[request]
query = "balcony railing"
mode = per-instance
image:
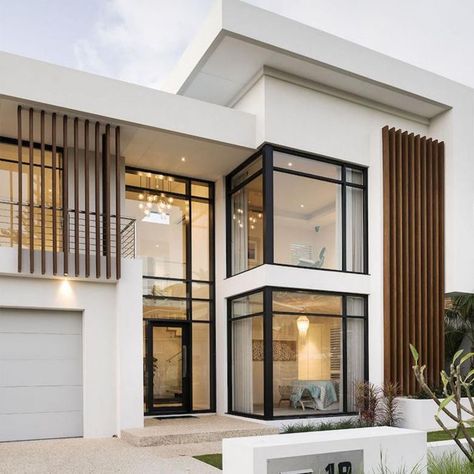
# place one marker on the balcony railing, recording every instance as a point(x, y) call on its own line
point(127, 234)
point(89, 235)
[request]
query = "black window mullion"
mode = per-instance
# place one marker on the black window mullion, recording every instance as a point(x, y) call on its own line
point(268, 252)
point(230, 407)
point(309, 175)
point(228, 226)
point(343, 227)
point(268, 354)
point(344, 355)
point(366, 223)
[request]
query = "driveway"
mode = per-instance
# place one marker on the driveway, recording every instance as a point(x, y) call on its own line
point(109, 455)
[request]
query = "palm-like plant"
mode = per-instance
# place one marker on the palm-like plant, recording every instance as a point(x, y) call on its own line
point(459, 323)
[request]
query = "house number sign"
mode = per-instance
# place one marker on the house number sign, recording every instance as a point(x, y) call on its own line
point(341, 462)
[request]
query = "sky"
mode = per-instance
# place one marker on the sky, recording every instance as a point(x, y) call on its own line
point(140, 41)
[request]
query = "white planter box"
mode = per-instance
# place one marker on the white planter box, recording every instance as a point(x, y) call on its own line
point(419, 414)
point(398, 447)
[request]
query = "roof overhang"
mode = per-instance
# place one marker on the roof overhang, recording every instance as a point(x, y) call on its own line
point(65, 89)
point(158, 128)
point(239, 40)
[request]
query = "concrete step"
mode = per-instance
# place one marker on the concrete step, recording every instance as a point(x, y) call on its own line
point(199, 429)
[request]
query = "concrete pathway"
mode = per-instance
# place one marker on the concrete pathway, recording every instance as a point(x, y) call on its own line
point(80, 456)
point(195, 429)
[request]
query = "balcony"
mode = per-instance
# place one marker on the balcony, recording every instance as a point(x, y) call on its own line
point(86, 238)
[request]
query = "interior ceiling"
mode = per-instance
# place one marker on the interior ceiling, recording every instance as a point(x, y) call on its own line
point(234, 62)
point(303, 197)
point(146, 148)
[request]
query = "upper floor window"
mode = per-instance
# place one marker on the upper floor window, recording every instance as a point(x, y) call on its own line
point(297, 209)
point(42, 184)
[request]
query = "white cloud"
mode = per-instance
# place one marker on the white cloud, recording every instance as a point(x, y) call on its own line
point(140, 40)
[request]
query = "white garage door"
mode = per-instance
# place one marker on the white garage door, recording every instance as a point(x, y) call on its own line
point(40, 374)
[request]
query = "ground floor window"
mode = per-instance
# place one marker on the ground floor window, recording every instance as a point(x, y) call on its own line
point(296, 353)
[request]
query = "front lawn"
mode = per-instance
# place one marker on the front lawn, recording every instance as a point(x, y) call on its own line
point(443, 436)
point(214, 460)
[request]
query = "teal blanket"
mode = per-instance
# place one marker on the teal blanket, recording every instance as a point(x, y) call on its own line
point(321, 391)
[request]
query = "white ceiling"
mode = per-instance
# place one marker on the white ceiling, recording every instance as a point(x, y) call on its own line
point(145, 147)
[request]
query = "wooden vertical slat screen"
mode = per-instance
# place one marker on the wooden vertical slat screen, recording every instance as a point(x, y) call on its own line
point(65, 197)
point(118, 251)
point(98, 239)
point(47, 217)
point(413, 175)
point(31, 194)
point(106, 168)
point(86, 200)
point(20, 191)
point(54, 190)
point(76, 197)
point(43, 195)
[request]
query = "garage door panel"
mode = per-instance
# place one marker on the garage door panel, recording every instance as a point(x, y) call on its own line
point(40, 321)
point(40, 426)
point(40, 399)
point(40, 372)
point(14, 346)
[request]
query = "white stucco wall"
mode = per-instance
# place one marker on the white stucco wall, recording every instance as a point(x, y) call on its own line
point(112, 338)
point(302, 117)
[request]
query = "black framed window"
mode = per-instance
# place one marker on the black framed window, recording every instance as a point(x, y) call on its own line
point(295, 353)
point(175, 240)
point(287, 207)
point(9, 191)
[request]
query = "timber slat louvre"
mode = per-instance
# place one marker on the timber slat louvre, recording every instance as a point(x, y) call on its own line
point(31, 194)
point(441, 239)
point(106, 168)
point(59, 215)
point(86, 199)
point(65, 197)
point(20, 191)
point(413, 177)
point(411, 245)
point(43, 196)
point(54, 191)
point(76, 197)
point(386, 246)
point(118, 251)
point(97, 199)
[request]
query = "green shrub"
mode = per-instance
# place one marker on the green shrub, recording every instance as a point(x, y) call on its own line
point(304, 427)
point(449, 464)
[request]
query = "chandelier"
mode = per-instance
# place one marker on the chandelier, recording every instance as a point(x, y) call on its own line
point(154, 203)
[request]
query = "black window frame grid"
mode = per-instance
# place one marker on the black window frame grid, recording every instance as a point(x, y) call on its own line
point(267, 171)
point(188, 280)
point(267, 315)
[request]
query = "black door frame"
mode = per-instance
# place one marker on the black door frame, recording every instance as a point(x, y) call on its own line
point(186, 370)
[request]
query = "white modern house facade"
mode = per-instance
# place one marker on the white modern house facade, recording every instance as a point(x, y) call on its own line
point(277, 225)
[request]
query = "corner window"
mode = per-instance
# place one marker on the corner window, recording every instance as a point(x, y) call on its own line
point(296, 353)
point(246, 217)
point(314, 216)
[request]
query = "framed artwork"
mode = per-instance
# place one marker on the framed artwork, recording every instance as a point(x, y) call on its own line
point(283, 351)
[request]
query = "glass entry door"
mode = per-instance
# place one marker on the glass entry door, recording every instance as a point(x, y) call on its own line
point(167, 367)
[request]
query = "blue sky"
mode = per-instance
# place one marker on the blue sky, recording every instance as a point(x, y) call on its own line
point(140, 40)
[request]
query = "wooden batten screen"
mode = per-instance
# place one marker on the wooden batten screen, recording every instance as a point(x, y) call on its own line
point(65, 219)
point(413, 200)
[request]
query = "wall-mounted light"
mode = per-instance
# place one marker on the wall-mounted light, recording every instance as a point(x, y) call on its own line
point(303, 325)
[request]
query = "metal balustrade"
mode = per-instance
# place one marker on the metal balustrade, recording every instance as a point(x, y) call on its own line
point(9, 230)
